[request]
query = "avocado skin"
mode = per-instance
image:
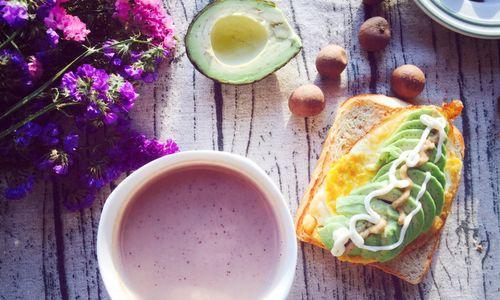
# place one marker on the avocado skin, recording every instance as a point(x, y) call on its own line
point(219, 80)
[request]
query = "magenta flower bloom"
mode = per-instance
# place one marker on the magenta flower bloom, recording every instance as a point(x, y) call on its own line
point(35, 68)
point(71, 26)
point(150, 17)
point(122, 10)
point(14, 13)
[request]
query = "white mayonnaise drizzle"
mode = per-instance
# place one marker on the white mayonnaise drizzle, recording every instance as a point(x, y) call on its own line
point(411, 157)
point(439, 124)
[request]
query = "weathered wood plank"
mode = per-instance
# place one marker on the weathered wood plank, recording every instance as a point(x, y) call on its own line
point(49, 252)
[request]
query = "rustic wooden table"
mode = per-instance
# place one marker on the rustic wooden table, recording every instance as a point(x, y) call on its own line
point(48, 252)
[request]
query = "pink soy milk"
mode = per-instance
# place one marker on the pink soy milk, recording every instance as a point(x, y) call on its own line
point(198, 233)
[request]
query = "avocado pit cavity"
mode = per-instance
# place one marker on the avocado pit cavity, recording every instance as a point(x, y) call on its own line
point(238, 39)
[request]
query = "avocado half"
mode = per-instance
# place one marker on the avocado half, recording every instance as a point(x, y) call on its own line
point(240, 41)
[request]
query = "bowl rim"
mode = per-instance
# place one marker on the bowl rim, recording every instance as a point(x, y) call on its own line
point(120, 196)
point(454, 23)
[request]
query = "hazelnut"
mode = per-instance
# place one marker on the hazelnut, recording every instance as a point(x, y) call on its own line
point(407, 81)
point(306, 101)
point(374, 34)
point(331, 61)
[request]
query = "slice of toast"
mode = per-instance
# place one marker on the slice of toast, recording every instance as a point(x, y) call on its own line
point(355, 118)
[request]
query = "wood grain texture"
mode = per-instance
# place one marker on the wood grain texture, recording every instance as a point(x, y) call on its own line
point(49, 253)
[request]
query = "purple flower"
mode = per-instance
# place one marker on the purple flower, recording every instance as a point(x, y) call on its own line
point(150, 77)
point(110, 118)
point(79, 199)
point(15, 69)
point(135, 55)
point(128, 94)
point(116, 62)
point(93, 181)
point(43, 10)
point(86, 70)
point(106, 97)
point(14, 13)
point(49, 134)
point(97, 79)
point(100, 81)
point(112, 173)
point(35, 68)
point(61, 169)
point(133, 72)
point(108, 50)
point(52, 37)
point(25, 135)
point(70, 143)
point(19, 190)
point(56, 161)
point(92, 112)
point(69, 84)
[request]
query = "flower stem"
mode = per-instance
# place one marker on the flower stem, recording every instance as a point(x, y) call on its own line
point(10, 38)
point(41, 88)
point(46, 109)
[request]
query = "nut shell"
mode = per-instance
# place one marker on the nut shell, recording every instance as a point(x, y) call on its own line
point(306, 101)
point(408, 81)
point(331, 61)
point(374, 34)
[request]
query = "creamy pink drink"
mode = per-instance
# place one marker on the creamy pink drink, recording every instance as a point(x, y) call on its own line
point(198, 233)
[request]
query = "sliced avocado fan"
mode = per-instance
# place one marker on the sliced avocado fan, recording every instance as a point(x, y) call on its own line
point(240, 41)
point(405, 137)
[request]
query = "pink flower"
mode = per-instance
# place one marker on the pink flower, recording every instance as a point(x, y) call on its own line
point(34, 67)
point(72, 27)
point(150, 17)
point(122, 9)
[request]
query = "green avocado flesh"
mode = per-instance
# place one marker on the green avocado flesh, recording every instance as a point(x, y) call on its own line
point(404, 138)
point(240, 41)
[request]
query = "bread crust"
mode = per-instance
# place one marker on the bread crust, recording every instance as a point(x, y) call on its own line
point(414, 262)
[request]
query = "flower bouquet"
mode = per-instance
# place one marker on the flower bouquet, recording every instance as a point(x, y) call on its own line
point(68, 72)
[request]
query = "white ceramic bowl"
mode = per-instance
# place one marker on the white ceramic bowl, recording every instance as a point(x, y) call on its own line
point(117, 201)
point(479, 19)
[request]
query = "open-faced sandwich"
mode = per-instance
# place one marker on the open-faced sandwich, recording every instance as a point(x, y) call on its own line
point(384, 184)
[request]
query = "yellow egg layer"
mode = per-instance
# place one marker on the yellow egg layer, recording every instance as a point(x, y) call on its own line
point(347, 173)
point(453, 165)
